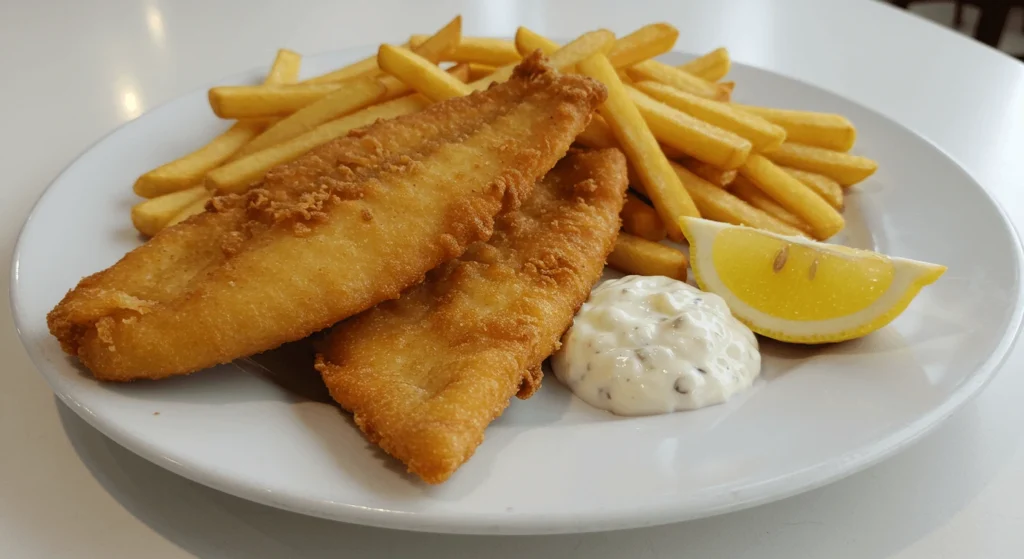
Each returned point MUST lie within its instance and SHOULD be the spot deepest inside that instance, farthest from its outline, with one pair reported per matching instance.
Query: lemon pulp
(798, 290)
(794, 281)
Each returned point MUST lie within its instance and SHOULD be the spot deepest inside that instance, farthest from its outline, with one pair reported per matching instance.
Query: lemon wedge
(798, 290)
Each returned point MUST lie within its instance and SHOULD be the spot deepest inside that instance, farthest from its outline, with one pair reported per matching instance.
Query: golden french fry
(689, 135)
(189, 170)
(672, 153)
(597, 133)
(395, 88)
(478, 71)
(285, 68)
(751, 194)
(353, 95)
(150, 216)
(257, 101)
(528, 41)
(239, 174)
(710, 173)
(478, 50)
(439, 45)
(647, 42)
(793, 195)
(420, 74)
(712, 66)
(634, 255)
(644, 43)
(425, 76)
(434, 48)
(499, 75)
(659, 180)
(719, 205)
(841, 167)
(652, 70)
(485, 50)
(828, 189)
(824, 130)
(460, 72)
(358, 92)
(640, 219)
(197, 207)
(761, 133)
(452, 32)
(563, 59)
(582, 47)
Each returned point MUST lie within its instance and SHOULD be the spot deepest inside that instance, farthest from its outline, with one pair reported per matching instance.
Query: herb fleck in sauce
(649, 345)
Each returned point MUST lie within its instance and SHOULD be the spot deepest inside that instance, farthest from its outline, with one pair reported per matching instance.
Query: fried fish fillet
(425, 374)
(327, 236)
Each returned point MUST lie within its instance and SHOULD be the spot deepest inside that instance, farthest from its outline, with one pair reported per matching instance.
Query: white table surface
(74, 70)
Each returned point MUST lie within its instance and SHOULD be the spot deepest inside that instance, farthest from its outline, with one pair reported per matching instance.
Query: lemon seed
(780, 259)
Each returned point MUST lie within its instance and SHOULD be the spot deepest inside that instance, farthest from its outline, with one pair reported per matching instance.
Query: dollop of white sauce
(644, 345)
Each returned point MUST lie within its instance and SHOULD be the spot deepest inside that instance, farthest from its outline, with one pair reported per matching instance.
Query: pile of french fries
(691, 151)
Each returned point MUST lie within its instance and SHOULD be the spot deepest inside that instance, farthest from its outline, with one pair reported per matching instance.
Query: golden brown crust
(425, 374)
(350, 224)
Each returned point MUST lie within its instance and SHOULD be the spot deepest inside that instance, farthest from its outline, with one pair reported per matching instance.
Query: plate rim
(785, 486)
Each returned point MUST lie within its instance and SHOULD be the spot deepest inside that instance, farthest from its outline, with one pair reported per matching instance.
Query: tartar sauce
(645, 345)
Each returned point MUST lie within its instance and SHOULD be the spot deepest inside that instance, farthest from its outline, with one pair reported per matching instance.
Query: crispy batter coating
(327, 236)
(425, 374)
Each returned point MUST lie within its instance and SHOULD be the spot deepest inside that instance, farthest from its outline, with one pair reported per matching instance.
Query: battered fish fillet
(327, 236)
(424, 375)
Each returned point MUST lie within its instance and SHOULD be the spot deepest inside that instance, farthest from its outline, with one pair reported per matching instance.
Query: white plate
(552, 464)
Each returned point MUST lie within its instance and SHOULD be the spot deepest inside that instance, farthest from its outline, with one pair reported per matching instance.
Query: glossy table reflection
(76, 70)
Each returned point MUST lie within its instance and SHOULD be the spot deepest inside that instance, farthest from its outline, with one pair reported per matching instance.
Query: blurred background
(997, 23)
